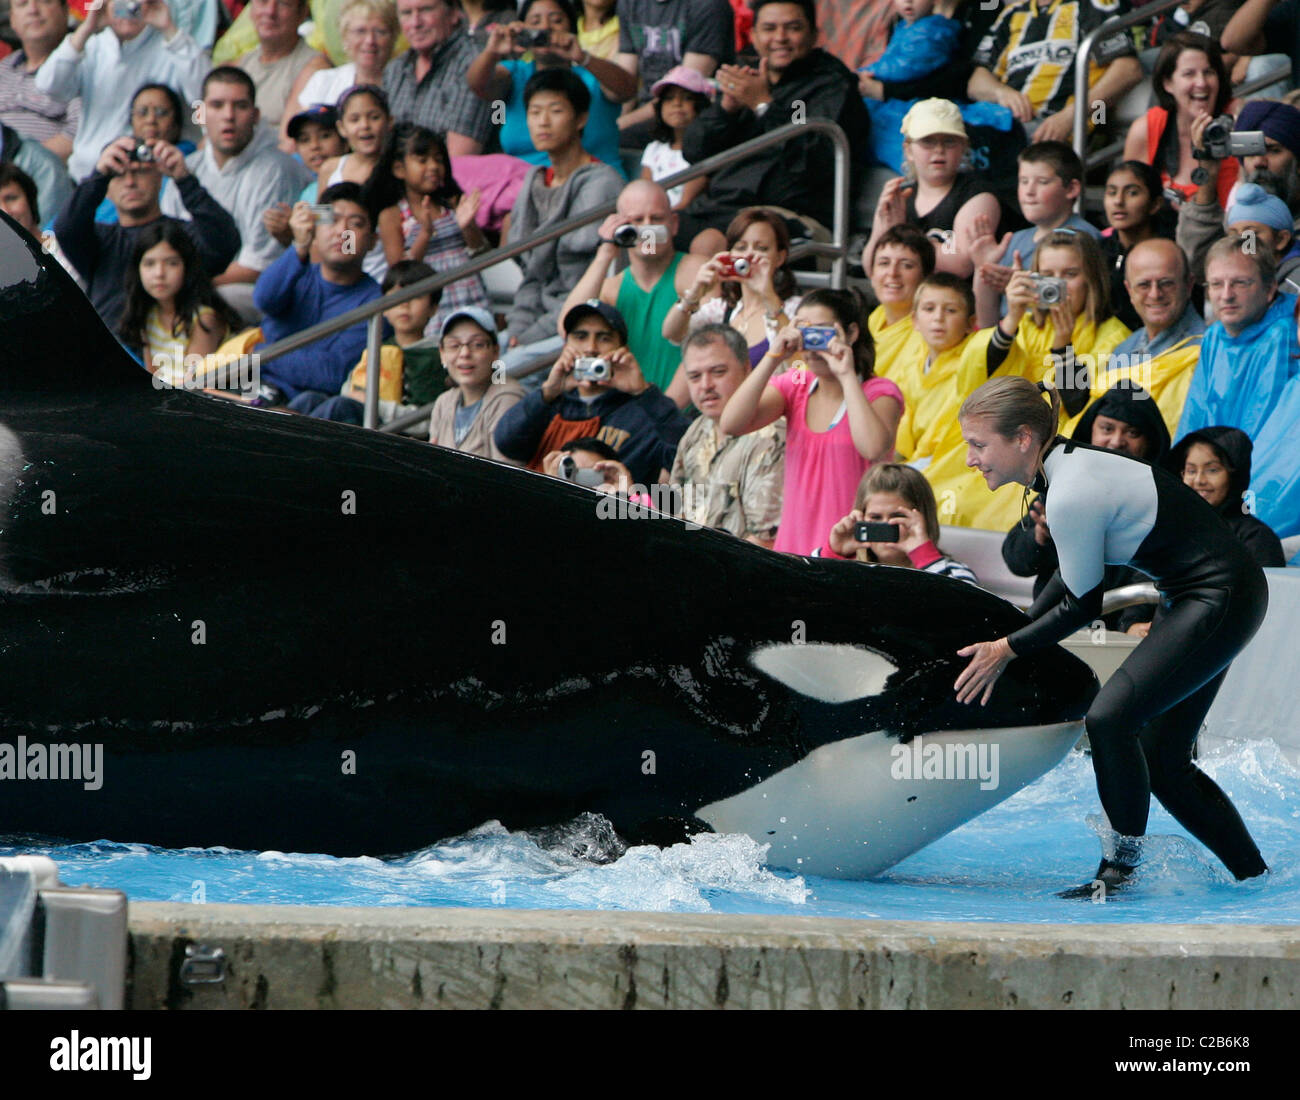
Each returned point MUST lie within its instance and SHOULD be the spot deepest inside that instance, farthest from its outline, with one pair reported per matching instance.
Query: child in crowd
(901, 258)
(466, 415)
(172, 309)
(364, 122)
(424, 216)
(1050, 180)
(411, 372)
(1068, 343)
(944, 318)
(316, 137)
(921, 44)
(679, 97)
(840, 418)
(1134, 196)
(898, 495)
(757, 304)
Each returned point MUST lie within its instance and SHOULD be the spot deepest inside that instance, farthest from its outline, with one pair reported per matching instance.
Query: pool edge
(307, 957)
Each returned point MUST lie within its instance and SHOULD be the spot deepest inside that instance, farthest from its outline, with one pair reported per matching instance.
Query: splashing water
(1006, 865)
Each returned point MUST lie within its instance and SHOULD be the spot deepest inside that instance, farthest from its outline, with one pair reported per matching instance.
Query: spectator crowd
(218, 175)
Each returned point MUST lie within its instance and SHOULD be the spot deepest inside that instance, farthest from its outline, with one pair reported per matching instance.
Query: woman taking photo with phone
(1108, 508)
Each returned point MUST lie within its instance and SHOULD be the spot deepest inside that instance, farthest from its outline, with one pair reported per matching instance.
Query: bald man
(1162, 354)
(655, 277)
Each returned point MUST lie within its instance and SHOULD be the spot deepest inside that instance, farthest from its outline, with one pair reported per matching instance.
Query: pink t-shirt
(822, 469)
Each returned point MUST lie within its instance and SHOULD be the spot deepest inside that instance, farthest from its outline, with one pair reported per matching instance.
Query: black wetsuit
(1105, 507)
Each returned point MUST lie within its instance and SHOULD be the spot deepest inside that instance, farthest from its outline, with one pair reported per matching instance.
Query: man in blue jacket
(622, 409)
(294, 294)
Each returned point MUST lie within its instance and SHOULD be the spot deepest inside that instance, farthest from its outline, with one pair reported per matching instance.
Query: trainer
(1108, 508)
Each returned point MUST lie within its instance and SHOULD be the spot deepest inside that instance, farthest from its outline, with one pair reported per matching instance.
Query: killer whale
(291, 634)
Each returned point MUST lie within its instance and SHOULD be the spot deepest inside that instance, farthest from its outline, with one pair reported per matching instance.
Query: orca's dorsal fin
(828, 673)
(51, 338)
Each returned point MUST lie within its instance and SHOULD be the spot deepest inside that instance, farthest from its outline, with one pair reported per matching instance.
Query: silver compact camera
(128, 9)
(592, 368)
(323, 211)
(1048, 291)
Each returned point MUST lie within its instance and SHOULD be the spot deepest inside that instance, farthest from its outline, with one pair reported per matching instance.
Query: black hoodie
(1233, 448)
(1021, 552)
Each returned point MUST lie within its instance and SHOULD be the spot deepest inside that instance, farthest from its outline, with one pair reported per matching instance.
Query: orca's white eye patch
(828, 673)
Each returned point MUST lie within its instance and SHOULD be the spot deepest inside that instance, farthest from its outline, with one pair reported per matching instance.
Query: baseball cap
(933, 116)
(477, 314)
(322, 113)
(683, 76)
(604, 310)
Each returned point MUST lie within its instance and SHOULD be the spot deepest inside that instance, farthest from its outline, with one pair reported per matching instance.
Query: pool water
(1004, 866)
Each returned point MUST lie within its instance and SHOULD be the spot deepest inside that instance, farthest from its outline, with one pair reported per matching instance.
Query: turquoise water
(1004, 866)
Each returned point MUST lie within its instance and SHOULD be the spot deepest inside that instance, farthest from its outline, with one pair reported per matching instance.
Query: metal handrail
(1118, 23)
(371, 310)
(1129, 595)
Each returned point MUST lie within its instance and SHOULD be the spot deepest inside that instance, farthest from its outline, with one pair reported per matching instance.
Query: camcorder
(816, 337)
(569, 470)
(875, 532)
(628, 236)
(592, 368)
(1221, 142)
(530, 39)
(733, 267)
(1048, 290)
(322, 211)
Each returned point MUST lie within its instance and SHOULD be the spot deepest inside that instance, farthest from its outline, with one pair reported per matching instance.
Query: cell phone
(875, 532)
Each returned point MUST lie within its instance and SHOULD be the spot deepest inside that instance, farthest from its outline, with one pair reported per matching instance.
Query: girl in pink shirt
(839, 417)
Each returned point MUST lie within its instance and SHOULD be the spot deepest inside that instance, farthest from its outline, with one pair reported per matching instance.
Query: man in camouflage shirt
(732, 483)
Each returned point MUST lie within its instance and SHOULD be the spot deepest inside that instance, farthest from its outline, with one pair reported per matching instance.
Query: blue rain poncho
(916, 50)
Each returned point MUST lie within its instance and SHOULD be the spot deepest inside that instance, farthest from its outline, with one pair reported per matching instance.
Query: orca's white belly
(853, 808)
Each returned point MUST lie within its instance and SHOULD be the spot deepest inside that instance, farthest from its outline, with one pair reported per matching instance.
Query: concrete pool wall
(318, 957)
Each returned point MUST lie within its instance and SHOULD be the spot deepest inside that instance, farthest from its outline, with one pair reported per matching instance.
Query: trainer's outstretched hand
(988, 659)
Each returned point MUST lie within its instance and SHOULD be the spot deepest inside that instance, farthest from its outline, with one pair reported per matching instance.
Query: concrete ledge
(308, 957)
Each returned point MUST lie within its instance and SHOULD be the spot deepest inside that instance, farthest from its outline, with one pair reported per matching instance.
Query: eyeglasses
(1235, 284)
(452, 347)
(1163, 286)
(146, 111)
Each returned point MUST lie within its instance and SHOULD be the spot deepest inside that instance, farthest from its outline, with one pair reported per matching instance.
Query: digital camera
(323, 211)
(1221, 142)
(592, 368)
(875, 532)
(142, 153)
(733, 267)
(816, 337)
(628, 236)
(569, 470)
(128, 9)
(1048, 291)
(530, 39)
